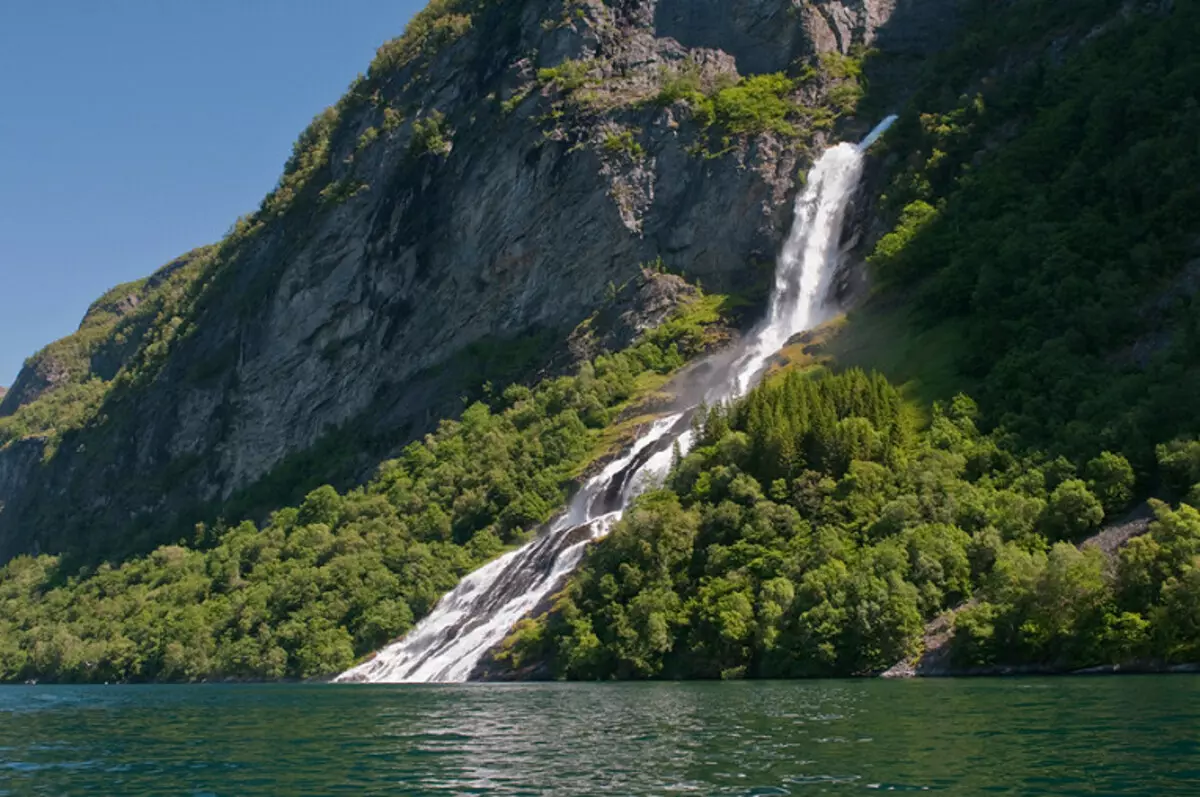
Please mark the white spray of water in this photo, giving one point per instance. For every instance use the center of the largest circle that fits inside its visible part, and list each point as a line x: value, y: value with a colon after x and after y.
x: 448, y: 644
x: 473, y: 618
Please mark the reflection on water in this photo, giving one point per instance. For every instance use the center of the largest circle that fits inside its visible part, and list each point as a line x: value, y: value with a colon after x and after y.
x: 1129, y: 736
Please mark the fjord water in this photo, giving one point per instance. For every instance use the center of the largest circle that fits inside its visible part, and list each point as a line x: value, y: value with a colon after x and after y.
x: 1127, y: 736
x: 447, y: 645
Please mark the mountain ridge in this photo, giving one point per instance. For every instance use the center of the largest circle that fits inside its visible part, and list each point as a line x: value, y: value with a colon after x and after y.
x: 349, y: 283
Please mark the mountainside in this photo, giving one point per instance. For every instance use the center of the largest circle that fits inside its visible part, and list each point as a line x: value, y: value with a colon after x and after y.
x: 496, y: 171
x: 533, y: 217
x: 1046, y: 209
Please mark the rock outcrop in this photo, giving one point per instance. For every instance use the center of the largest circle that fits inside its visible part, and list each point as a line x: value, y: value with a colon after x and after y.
x: 39, y: 376
x: 499, y: 181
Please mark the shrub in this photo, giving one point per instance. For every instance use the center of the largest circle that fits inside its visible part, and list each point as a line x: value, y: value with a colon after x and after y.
x: 891, y: 258
x: 568, y: 76
x: 684, y: 84
x: 757, y: 104
x: 1072, y: 510
x: 368, y: 137
x: 435, y: 26
x: 1110, y: 478
x: 625, y: 143
x: 431, y: 136
x: 1179, y: 462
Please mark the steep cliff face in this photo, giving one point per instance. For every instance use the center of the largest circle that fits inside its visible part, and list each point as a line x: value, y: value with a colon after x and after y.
x: 497, y: 171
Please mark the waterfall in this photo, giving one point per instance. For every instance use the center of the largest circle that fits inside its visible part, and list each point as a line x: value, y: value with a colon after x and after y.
x: 472, y: 619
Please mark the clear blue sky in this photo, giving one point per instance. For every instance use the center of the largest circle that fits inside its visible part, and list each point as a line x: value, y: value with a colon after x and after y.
x: 134, y: 130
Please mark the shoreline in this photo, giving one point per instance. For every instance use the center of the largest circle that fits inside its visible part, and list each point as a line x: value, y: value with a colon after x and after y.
x: 901, y: 672
x: 906, y: 671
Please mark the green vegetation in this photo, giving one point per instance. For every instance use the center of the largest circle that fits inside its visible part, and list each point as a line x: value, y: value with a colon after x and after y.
x: 754, y: 105
x: 1071, y: 608
x: 519, y: 96
x: 846, y: 72
x: 729, y: 107
x: 335, y: 577
x: 921, y: 362
x: 815, y: 530
x: 369, y: 136
x: 392, y: 119
x: 114, y: 327
x: 624, y: 143
x: 842, y: 67
x: 684, y: 83
x: 1050, y: 216
x: 342, y: 190
x: 431, y: 136
x: 568, y: 76
x: 55, y: 413
x: 435, y: 26
x: 1046, y: 227
x: 310, y: 154
x: 1045, y: 203
x: 736, y: 107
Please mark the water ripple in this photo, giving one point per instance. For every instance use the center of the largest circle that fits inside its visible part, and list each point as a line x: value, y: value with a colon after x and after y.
x: 1132, y: 736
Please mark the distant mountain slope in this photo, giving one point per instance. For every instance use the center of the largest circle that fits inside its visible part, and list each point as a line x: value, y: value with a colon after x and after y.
x: 109, y: 334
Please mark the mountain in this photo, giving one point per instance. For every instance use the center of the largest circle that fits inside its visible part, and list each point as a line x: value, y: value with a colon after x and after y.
x: 486, y: 269
x: 1040, y: 251
x: 495, y: 171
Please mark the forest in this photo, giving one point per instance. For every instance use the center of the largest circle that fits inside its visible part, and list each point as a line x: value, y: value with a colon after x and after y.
x: 1047, y: 215
x: 815, y: 530
x: 322, y: 583
x: 1040, y: 206
x: 1051, y: 214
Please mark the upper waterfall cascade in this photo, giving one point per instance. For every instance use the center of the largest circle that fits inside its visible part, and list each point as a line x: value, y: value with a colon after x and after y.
x: 449, y: 643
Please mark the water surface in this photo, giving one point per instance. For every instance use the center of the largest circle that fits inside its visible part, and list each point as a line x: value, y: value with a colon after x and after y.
x: 1069, y: 736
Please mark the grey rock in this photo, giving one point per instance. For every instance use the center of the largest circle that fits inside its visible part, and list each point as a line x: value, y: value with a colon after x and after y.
x: 355, y: 314
x: 40, y: 375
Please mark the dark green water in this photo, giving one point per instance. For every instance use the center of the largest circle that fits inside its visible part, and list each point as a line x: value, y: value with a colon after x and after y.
x: 1127, y: 736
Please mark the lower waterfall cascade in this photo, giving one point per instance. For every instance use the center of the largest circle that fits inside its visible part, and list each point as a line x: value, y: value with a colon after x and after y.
x: 447, y: 646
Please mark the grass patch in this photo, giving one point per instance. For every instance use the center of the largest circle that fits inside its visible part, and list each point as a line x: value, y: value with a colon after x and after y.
x: 881, y: 337
x: 568, y: 76
x: 694, y: 326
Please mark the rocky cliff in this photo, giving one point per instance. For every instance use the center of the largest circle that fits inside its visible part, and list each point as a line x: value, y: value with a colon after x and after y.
x: 500, y: 169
